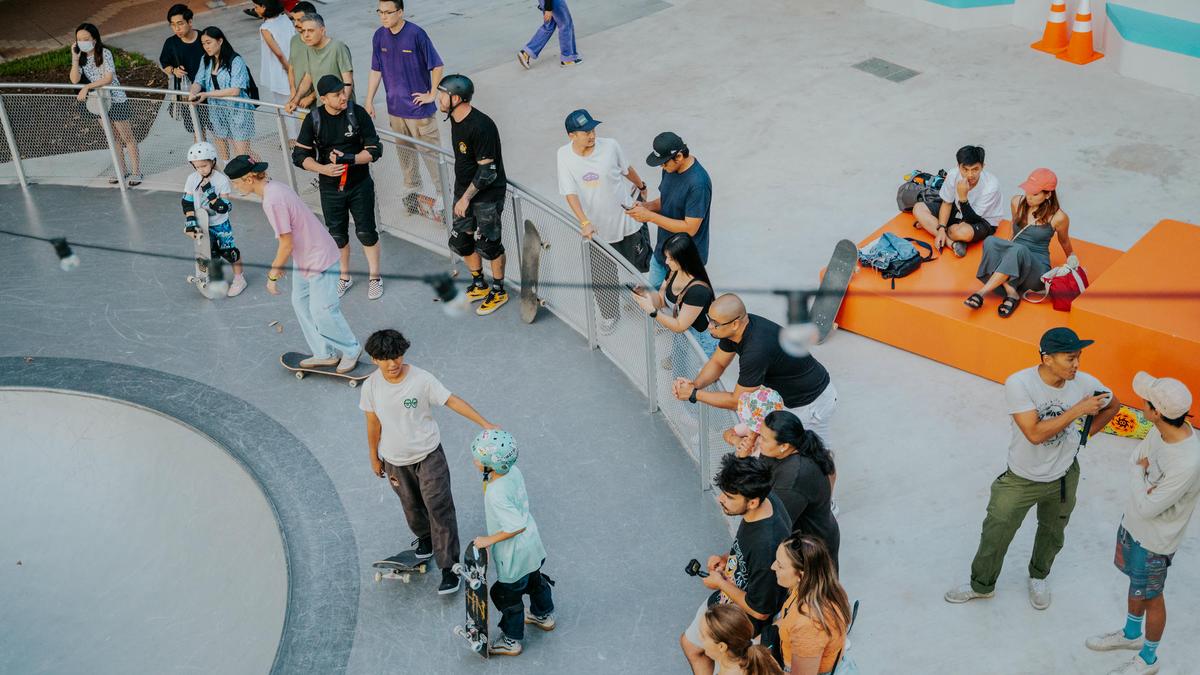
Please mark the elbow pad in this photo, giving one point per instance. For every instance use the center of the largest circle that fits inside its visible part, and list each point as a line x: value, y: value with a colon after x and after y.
x: 485, y: 175
x: 300, y: 154
x: 220, y: 205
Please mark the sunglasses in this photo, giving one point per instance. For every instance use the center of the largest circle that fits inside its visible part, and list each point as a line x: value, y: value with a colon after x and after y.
x: 715, y: 324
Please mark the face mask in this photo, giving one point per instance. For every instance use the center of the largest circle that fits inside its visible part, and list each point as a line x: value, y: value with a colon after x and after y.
x: 86, y: 46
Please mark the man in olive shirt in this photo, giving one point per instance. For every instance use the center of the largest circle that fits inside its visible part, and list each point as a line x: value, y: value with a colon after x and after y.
x: 321, y: 55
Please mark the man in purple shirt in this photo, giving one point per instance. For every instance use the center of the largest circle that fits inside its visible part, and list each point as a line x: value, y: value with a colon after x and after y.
x: 403, y: 57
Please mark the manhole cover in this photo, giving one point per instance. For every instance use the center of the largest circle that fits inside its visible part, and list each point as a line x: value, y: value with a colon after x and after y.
x: 886, y: 69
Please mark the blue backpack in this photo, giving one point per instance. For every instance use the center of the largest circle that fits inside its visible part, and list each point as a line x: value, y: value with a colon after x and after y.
x: 894, y: 256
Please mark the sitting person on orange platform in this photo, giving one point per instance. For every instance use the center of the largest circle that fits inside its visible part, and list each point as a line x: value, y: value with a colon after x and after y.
x: 1012, y: 266
x: 967, y: 208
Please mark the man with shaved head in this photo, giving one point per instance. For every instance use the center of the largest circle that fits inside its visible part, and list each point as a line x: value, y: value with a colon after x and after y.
x: 801, y: 380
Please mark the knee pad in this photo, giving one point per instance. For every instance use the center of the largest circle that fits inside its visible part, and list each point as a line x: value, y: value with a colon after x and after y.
x: 462, y: 243
x: 367, y: 237
x: 340, y: 238
x: 231, y: 255
x: 490, y: 249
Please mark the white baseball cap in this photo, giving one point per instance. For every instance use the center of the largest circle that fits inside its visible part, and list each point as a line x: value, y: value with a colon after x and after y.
x: 1168, y: 395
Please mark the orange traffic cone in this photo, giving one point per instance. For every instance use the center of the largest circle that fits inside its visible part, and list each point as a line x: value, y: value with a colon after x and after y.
x: 1054, y: 38
x: 1079, y: 50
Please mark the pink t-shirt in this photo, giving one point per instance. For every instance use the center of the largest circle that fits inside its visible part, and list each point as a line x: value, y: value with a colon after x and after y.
x: 313, y: 250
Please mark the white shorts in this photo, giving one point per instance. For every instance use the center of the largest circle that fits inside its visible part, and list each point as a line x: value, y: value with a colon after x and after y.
x: 693, y: 631
x: 816, y: 415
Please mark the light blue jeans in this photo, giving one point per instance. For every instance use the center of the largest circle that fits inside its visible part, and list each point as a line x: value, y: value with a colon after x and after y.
x: 707, y: 342
x: 319, y: 311
x: 658, y: 273
x: 561, y: 19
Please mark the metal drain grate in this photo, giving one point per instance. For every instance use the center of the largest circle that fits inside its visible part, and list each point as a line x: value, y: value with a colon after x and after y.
x: 886, y: 69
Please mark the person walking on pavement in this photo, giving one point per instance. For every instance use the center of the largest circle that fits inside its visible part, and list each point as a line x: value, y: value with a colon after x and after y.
x: 479, y: 189
x: 1051, y: 405
x: 1164, y: 487
x: 555, y: 15
x: 404, y: 59
x: 592, y: 176
x: 405, y: 445
x: 337, y: 140
x: 314, y: 255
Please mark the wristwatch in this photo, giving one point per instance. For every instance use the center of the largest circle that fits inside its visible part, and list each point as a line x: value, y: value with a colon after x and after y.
x: 653, y: 314
x: 692, y: 396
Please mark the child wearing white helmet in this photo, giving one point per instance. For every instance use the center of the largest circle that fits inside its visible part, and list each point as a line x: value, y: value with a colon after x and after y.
x: 213, y: 188
x: 516, y: 546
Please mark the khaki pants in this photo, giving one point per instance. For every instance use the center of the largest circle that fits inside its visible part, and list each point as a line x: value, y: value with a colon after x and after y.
x: 423, y: 130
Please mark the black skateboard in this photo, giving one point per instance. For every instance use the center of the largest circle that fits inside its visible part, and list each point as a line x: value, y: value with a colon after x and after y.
x: 531, y: 257
x: 400, y: 566
x: 833, y: 287
x: 473, y: 570
x: 291, y: 361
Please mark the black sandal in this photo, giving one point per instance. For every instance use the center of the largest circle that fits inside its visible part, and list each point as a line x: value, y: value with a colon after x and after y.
x: 1008, y: 306
x: 974, y: 301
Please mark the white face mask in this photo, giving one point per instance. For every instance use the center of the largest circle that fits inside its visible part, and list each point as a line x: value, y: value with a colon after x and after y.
x: 87, y: 46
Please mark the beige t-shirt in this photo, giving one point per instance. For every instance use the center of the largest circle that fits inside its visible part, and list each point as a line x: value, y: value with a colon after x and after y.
x: 405, y: 412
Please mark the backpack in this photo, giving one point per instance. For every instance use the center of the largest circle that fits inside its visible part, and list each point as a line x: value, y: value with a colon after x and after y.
x: 318, y: 112
x: 894, y: 256
x: 915, y: 184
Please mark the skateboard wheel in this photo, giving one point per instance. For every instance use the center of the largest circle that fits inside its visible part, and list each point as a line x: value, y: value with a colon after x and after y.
x: 459, y: 569
x: 454, y: 273
x: 378, y: 577
x: 461, y: 632
x: 404, y: 577
x: 353, y: 384
x: 474, y: 584
x: 299, y: 375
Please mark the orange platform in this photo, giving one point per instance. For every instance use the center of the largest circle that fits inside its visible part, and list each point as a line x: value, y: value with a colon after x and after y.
x: 925, y: 313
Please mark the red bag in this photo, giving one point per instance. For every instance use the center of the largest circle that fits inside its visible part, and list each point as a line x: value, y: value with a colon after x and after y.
x: 1063, y: 285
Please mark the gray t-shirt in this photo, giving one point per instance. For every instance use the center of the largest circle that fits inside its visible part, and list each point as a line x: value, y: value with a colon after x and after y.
x: 404, y: 411
x: 1024, y: 391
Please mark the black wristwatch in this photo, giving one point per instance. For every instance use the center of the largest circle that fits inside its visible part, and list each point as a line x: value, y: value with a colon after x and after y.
x: 642, y: 186
x: 692, y: 396
x: 653, y: 314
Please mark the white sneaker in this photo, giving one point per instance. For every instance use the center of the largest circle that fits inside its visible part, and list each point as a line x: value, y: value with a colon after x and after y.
x: 1039, y: 593
x: 965, y: 593
x: 349, y: 362
x: 238, y: 285
x: 1113, y: 640
x: 1136, y: 666
x: 311, y: 188
x: 343, y: 286
x: 319, y: 361
x: 374, y: 289
x: 608, y: 326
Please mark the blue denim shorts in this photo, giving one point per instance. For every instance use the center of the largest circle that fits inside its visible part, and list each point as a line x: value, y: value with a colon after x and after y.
x: 1147, y: 571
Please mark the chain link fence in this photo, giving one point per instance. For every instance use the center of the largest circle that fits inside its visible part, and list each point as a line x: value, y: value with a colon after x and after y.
x: 588, y: 285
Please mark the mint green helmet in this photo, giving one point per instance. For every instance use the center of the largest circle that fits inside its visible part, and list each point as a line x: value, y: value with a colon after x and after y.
x: 495, y: 449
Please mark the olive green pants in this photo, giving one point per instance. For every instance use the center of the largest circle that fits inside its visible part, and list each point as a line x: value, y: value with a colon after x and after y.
x: 1012, y: 497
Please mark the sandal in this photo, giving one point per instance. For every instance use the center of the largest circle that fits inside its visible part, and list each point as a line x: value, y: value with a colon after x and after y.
x: 134, y: 179
x: 1008, y: 306
x: 974, y: 301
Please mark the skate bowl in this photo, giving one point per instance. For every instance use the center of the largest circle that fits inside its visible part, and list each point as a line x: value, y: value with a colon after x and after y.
x: 135, y: 541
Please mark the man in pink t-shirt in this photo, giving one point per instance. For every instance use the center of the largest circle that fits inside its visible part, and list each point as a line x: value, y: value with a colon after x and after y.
x: 314, y: 258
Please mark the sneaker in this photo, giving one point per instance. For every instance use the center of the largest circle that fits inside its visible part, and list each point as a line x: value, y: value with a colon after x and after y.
x: 238, y: 285
x: 1113, y: 640
x: 1039, y: 593
x: 344, y: 285
x: 523, y: 59
x: 965, y: 593
x: 1134, y: 666
x: 312, y: 187
x: 477, y: 293
x: 545, y: 621
x: 423, y: 547
x: 494, y: 301
x: 959, y: 248
x: 349, y: 362
x: 374, y: 289
x: 134, y: 179
x: 568, y: 64
x: 608, y: 326
x: 113, y: 180
x: 319, y: 361
x: 505, y: 646
x: 451, y: 582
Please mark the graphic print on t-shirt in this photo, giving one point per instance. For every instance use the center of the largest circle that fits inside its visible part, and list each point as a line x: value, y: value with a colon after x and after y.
x: 735, y: 569
x: 591, y: 179
x: 1051, y: 409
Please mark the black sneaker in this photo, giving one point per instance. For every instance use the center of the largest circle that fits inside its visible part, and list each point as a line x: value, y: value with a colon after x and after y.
x: 423, y: 547
x: 450, y: 582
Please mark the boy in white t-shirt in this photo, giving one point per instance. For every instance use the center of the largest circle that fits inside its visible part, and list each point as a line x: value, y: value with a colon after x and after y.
x: 406, y: 446
x: 967, y: 209
x: 213, y: 189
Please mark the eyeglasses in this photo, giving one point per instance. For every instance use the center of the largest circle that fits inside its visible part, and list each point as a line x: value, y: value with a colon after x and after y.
x: 715, y: 324
x: 382, y: 12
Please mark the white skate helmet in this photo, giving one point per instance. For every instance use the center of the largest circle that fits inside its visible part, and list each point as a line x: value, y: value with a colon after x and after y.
x: 202, y: 150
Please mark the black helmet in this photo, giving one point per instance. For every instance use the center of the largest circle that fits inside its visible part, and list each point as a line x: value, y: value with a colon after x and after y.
x: 458, y: 85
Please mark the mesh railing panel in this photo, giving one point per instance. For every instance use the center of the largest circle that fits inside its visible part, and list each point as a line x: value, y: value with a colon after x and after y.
x: 560, y: 271
x: 620, y: 323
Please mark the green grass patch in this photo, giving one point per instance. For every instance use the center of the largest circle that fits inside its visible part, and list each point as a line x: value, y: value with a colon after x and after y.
x: 61, y: 58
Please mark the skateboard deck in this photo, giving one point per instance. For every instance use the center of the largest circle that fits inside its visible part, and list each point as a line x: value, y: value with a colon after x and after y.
x: 833, y: 287
x: 201, y: 248
x: 531, y: 256
x: 291, y: 361
x: 473, y: 570
x: 400, y: 566
x: 425, y: 206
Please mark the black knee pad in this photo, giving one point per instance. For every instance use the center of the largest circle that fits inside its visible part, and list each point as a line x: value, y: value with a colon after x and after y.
x: 340, y: 238
x: 367, y: 237
x: 462, y: 243
x: 490, y: 249
x: 231, y: 255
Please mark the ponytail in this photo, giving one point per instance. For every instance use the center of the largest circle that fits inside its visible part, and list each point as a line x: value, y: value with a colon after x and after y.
x: 759, y: 661
x: 790, y: 430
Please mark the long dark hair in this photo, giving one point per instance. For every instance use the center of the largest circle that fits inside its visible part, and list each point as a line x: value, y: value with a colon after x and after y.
x: 1042, y: 214
x: 682, y: 249
x: 224, y: 58
x: 789, y: 429
x: 98, y: 52
x: 820, y: 595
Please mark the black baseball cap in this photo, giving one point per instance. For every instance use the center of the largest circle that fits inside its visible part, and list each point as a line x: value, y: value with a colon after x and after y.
x: 666, y: 145
x: 329, y: 84
x: 1059, y: 340
x: 580, y: 120
x: 241, y: 165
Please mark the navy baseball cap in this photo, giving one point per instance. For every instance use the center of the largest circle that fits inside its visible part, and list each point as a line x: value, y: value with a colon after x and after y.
x: 666, y: 145
x: 329, y: 84
x: 1060, y: 340
x: 241, y: 165
x: 580, y: 120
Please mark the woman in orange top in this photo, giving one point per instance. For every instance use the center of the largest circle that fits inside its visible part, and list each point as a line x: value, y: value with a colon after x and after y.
x: 815, y: 617
x: 727, y: 635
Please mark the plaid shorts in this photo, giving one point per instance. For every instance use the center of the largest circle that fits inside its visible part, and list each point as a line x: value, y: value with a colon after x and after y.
x: 1147, y: 571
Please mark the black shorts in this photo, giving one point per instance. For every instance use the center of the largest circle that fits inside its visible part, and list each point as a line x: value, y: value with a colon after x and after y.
x: 120, y: 111
x: 357, y: 202
x: 982, y: 230
x: 482, y: 220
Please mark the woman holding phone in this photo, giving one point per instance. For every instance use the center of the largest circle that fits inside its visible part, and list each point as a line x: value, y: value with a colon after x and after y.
x: 686, y: 294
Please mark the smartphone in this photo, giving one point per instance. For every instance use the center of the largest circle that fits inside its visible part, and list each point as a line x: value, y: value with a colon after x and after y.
x: 637, y: 289
x: 633, y: 199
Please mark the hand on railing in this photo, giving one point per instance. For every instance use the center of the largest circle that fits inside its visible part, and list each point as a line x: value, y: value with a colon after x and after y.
x: 198, y: 97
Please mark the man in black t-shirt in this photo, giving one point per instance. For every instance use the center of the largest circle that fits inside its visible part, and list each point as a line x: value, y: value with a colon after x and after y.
x: 801, y: 380
x: 479, y: 188
x: 743, y: 577
x: 338, y: 141
x: 180, y: 59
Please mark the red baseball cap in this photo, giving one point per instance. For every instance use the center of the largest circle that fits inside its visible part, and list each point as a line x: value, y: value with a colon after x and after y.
x: 1041, y: 180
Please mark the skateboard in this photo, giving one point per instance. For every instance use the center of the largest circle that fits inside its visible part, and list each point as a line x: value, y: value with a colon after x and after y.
x: 531, y: 255
x: 291, y: 361
x: 202, y: 248
x: 425, y: 206
x: 833, y: 287
x: 473, y: 570
x: 400, y: 566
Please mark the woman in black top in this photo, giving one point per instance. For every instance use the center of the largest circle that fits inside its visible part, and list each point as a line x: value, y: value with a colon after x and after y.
x: 686, y: 294
x: 802, y: 475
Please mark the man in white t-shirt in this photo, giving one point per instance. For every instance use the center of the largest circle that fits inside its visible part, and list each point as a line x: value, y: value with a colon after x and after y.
x: 406, y: 446
x: 1054, y: 408
x: 593, y: 175
x: 967, y: 209
x: 1164, y: 487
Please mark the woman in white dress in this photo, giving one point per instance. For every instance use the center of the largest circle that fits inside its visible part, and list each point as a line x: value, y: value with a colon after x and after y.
x: 275, y: 35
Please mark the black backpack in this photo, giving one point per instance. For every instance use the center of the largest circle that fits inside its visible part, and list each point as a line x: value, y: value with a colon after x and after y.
x: 902, y: 268
x: 318, y: 111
